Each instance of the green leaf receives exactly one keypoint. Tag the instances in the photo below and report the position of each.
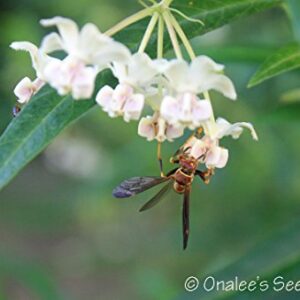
(277, 255)
(284, 60)
(293, 7)
(48, 114)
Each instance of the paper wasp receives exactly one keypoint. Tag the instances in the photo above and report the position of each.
(180, 179)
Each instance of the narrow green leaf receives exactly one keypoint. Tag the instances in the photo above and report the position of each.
(48, 114)
(284, 60)
(36, 126)
(267, 260)
(293, 7)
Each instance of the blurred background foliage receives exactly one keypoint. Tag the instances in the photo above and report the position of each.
(63, 236)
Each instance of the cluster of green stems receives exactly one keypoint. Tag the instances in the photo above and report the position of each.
(161, 14)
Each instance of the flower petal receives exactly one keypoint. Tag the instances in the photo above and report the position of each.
(217, 157)
(174, 132)
(83, 83)
(104, 97)
(169, 109)
(177, 72)
(235, 130)
(67, 29)
(133, 107)
(146, 128)
(51, 42)
(141, 69)
(24, 90)
(198, 149)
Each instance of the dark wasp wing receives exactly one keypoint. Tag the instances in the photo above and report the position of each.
(157, 198)
(136, 185)
(186, 216)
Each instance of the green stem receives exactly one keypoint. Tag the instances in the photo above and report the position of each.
(189, 50)
(160, 38)
(183, 37)
(173, 35)
(130, 20)
(148, 33)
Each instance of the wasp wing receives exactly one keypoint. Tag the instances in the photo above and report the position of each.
(157, 198)
(136, 185)
(186, 217)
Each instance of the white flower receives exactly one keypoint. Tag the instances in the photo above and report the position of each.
(207, 148)
(202, 75)
(155, 127)
(121, 101)
(71, 76)
(221, 128)
(187, 109)
(139, 71)
(88, 45)
(209, 152)
(88, 52)
(26, 88)
(39, 59)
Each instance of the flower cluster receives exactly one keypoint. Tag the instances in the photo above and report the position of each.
(174, 90)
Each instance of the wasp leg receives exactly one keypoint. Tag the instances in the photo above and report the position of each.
(160, 159)
(206, 175)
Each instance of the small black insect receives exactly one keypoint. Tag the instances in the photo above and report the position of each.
(16, 110)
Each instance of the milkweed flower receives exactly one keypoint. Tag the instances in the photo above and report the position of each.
(88, 52)
(155, 127)
(121, 101)
(186, 109)
(135, 77)
(208, 150)
(201, 75)
(186, 82)
(26, 88)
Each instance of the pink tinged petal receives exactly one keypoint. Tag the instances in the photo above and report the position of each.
(217, 157)
(58, 77)
(67, 29)
(169, 110)
(223, 158)
(146, 128)
(173, 132)
(186, 101)
(24, 90)
(104, 97)
(133, 107)
(202, 111)
(38, 84)
(198, 149)
(83, 83)
(123, 92)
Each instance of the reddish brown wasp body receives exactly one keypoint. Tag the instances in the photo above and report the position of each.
(181, 178)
